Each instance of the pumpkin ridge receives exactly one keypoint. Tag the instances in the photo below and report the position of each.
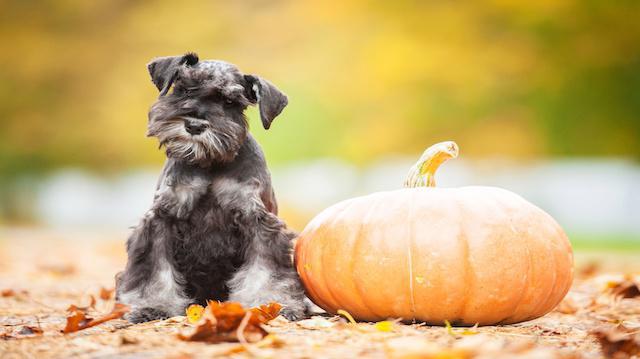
(543, 303)
(356, 284)
(465, 262)
(527, 284)
(554, 290)
(311, 291)
(410, 260)
(525, 289)
(336, 304)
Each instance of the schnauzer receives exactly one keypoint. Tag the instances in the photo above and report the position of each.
(212, 232)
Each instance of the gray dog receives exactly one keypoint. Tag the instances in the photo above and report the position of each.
(212, 232)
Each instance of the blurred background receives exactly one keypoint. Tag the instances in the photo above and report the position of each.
(543, 98)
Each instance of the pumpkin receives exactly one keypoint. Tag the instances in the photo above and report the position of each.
(469, 255)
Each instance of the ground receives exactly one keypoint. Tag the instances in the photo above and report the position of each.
(43, 272)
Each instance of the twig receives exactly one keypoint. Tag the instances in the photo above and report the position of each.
(240, 334)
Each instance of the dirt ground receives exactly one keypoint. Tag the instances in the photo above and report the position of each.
(43, 272)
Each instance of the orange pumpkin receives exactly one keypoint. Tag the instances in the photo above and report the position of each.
(467, 255)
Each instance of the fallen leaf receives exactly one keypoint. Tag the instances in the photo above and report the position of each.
(270, 341)
(267, 312)
(462, 331)
(384, 326)
(315, 323)
(626, 288)
(194, 313)
(618, 341)
(128, 340)
(589, 269)
(29, 330)
(58, 269)
(92, 302)
(78, 320)
(470, 331)
(8, 293)
(106, 294)
(224, 322)
(567, 306)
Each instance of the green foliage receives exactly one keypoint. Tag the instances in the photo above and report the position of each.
(365, 79)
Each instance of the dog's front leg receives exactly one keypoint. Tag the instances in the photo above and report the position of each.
(149, 284)
(268, 274)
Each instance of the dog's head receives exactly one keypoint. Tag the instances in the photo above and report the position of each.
(201, 121)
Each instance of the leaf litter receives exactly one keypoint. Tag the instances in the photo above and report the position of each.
(600, 317)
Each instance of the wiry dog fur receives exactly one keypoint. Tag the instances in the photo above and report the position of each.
(212, 232)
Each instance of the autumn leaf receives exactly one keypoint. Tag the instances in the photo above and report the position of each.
(384, 326)
(626, 288)
(29, 330)
(194, 313)
(78, 319)
(12, 293)
(567, 306)
(589, 270)
(230, 322)
(105, 294)
(267, 312)
(21, 332)
(58, 269)
(618, 341)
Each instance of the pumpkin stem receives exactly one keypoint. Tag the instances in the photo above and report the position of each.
(422, 174)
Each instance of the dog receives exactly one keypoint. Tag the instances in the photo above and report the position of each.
(212, 232)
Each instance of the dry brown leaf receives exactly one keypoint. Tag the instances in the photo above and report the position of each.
(627, 288)
(106, 294)
(58, 269)
(128, 340)
(21, 332)
(78, 320)
(618, 341)
(567, 306)
(267, 312)
(589, 270)
(29, 330)
(92, 302)
(220, 323)
(270, 341)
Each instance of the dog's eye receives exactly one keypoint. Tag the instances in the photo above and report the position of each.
(228, 103)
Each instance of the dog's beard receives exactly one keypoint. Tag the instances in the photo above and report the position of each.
(213, 144)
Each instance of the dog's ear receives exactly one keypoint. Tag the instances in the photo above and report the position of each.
(163, 70)
(271, 101)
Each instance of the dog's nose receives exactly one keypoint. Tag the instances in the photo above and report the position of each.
(194, 128)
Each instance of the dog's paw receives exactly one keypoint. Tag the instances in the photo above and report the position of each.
(145, 315)
(293, 313)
